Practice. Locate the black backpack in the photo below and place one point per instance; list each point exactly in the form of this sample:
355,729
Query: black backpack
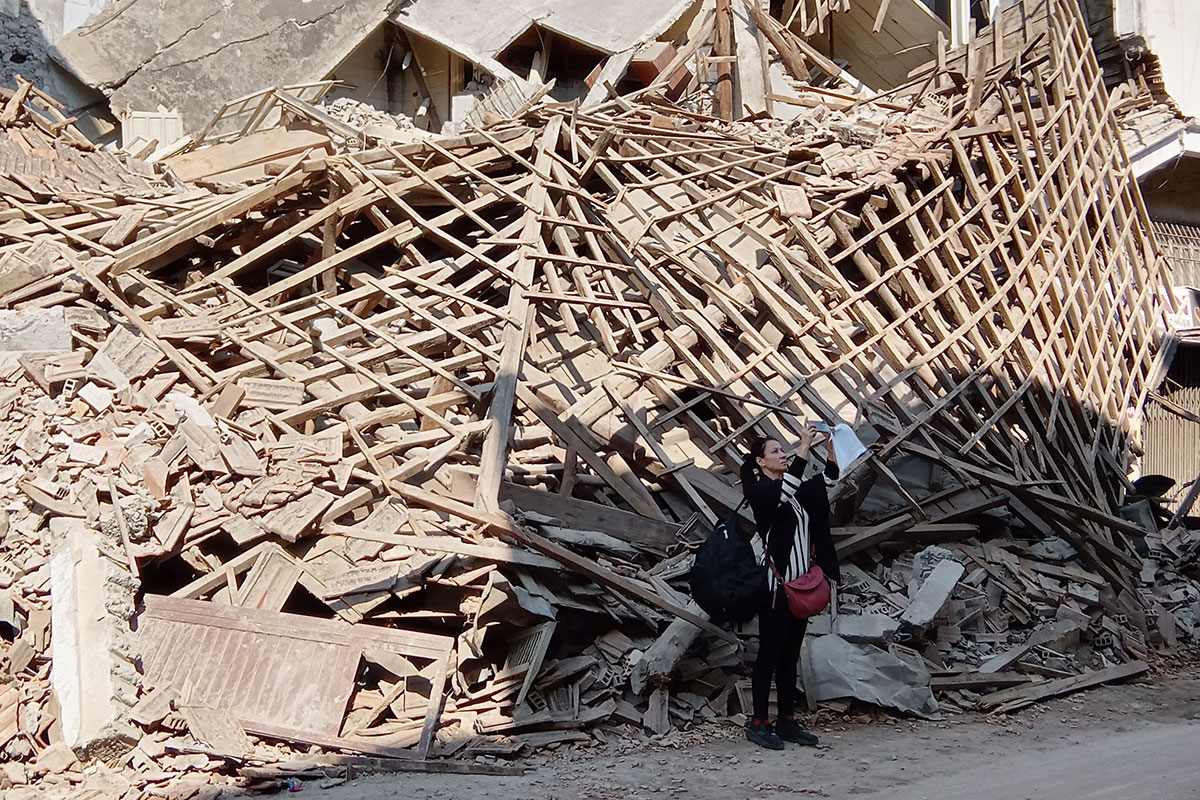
726,579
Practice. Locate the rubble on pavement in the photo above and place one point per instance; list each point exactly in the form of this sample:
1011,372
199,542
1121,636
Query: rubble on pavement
441,421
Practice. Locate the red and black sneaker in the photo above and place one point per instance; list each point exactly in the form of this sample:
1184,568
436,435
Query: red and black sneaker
762,734
790,731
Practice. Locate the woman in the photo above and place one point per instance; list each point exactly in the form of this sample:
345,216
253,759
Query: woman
791,511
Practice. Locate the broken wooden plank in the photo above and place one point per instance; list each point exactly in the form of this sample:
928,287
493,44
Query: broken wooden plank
574,561
584,515
1010,700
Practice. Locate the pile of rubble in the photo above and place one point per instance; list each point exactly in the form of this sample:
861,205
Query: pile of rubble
403,451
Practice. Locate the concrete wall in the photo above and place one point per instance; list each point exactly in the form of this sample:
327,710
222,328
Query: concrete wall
201,55
440,66
372,77
363,73
1171,30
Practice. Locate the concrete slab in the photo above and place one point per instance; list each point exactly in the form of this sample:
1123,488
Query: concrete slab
933,594
455,24
201,55
866,628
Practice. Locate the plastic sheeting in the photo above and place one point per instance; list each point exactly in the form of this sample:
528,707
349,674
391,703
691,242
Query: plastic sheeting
834,668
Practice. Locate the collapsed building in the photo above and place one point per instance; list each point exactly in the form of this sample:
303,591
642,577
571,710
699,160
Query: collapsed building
427,431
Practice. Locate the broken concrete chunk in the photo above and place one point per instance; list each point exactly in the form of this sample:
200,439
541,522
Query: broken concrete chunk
92,671
103,784
820,625
154,706
15,773
56,759
657,718
34,330
1062,634
1053,549
20,655
99,398
924,563
933,594
217,729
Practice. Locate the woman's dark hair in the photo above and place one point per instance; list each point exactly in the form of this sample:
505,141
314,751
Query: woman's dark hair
749,470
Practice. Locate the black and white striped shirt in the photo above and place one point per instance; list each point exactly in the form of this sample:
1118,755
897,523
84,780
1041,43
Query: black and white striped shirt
792,515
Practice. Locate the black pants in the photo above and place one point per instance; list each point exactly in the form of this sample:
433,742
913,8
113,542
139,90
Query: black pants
779,638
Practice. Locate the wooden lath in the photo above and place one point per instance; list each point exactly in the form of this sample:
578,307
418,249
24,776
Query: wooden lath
257,110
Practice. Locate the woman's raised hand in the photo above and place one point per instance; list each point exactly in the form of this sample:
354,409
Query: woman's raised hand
807,435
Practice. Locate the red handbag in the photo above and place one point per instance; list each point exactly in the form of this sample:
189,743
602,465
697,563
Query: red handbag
807,595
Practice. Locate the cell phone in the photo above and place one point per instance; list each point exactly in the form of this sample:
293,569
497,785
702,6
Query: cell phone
819,426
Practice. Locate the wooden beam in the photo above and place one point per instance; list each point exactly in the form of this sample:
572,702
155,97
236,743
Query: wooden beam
501,524
724,50
515,333
584,515
150,253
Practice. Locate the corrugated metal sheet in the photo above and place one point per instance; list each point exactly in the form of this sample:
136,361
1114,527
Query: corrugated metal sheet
279,674
1181,245
1172,443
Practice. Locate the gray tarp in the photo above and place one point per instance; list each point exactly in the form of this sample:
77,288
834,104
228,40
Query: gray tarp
834,668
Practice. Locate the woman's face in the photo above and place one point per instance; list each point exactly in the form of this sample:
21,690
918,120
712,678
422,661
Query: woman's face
773,460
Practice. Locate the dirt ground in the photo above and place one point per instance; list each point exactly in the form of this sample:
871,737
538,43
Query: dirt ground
1138,740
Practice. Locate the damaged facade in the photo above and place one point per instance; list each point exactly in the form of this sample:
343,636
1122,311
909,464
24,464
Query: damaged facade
1145,50
447,416
431,61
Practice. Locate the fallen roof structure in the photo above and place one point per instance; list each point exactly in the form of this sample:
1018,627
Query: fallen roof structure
487,386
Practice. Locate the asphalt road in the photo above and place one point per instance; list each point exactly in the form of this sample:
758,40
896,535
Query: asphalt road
1132,742
1158,763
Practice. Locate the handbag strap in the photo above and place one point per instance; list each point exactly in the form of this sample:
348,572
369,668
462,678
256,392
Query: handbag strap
771,564
767,545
